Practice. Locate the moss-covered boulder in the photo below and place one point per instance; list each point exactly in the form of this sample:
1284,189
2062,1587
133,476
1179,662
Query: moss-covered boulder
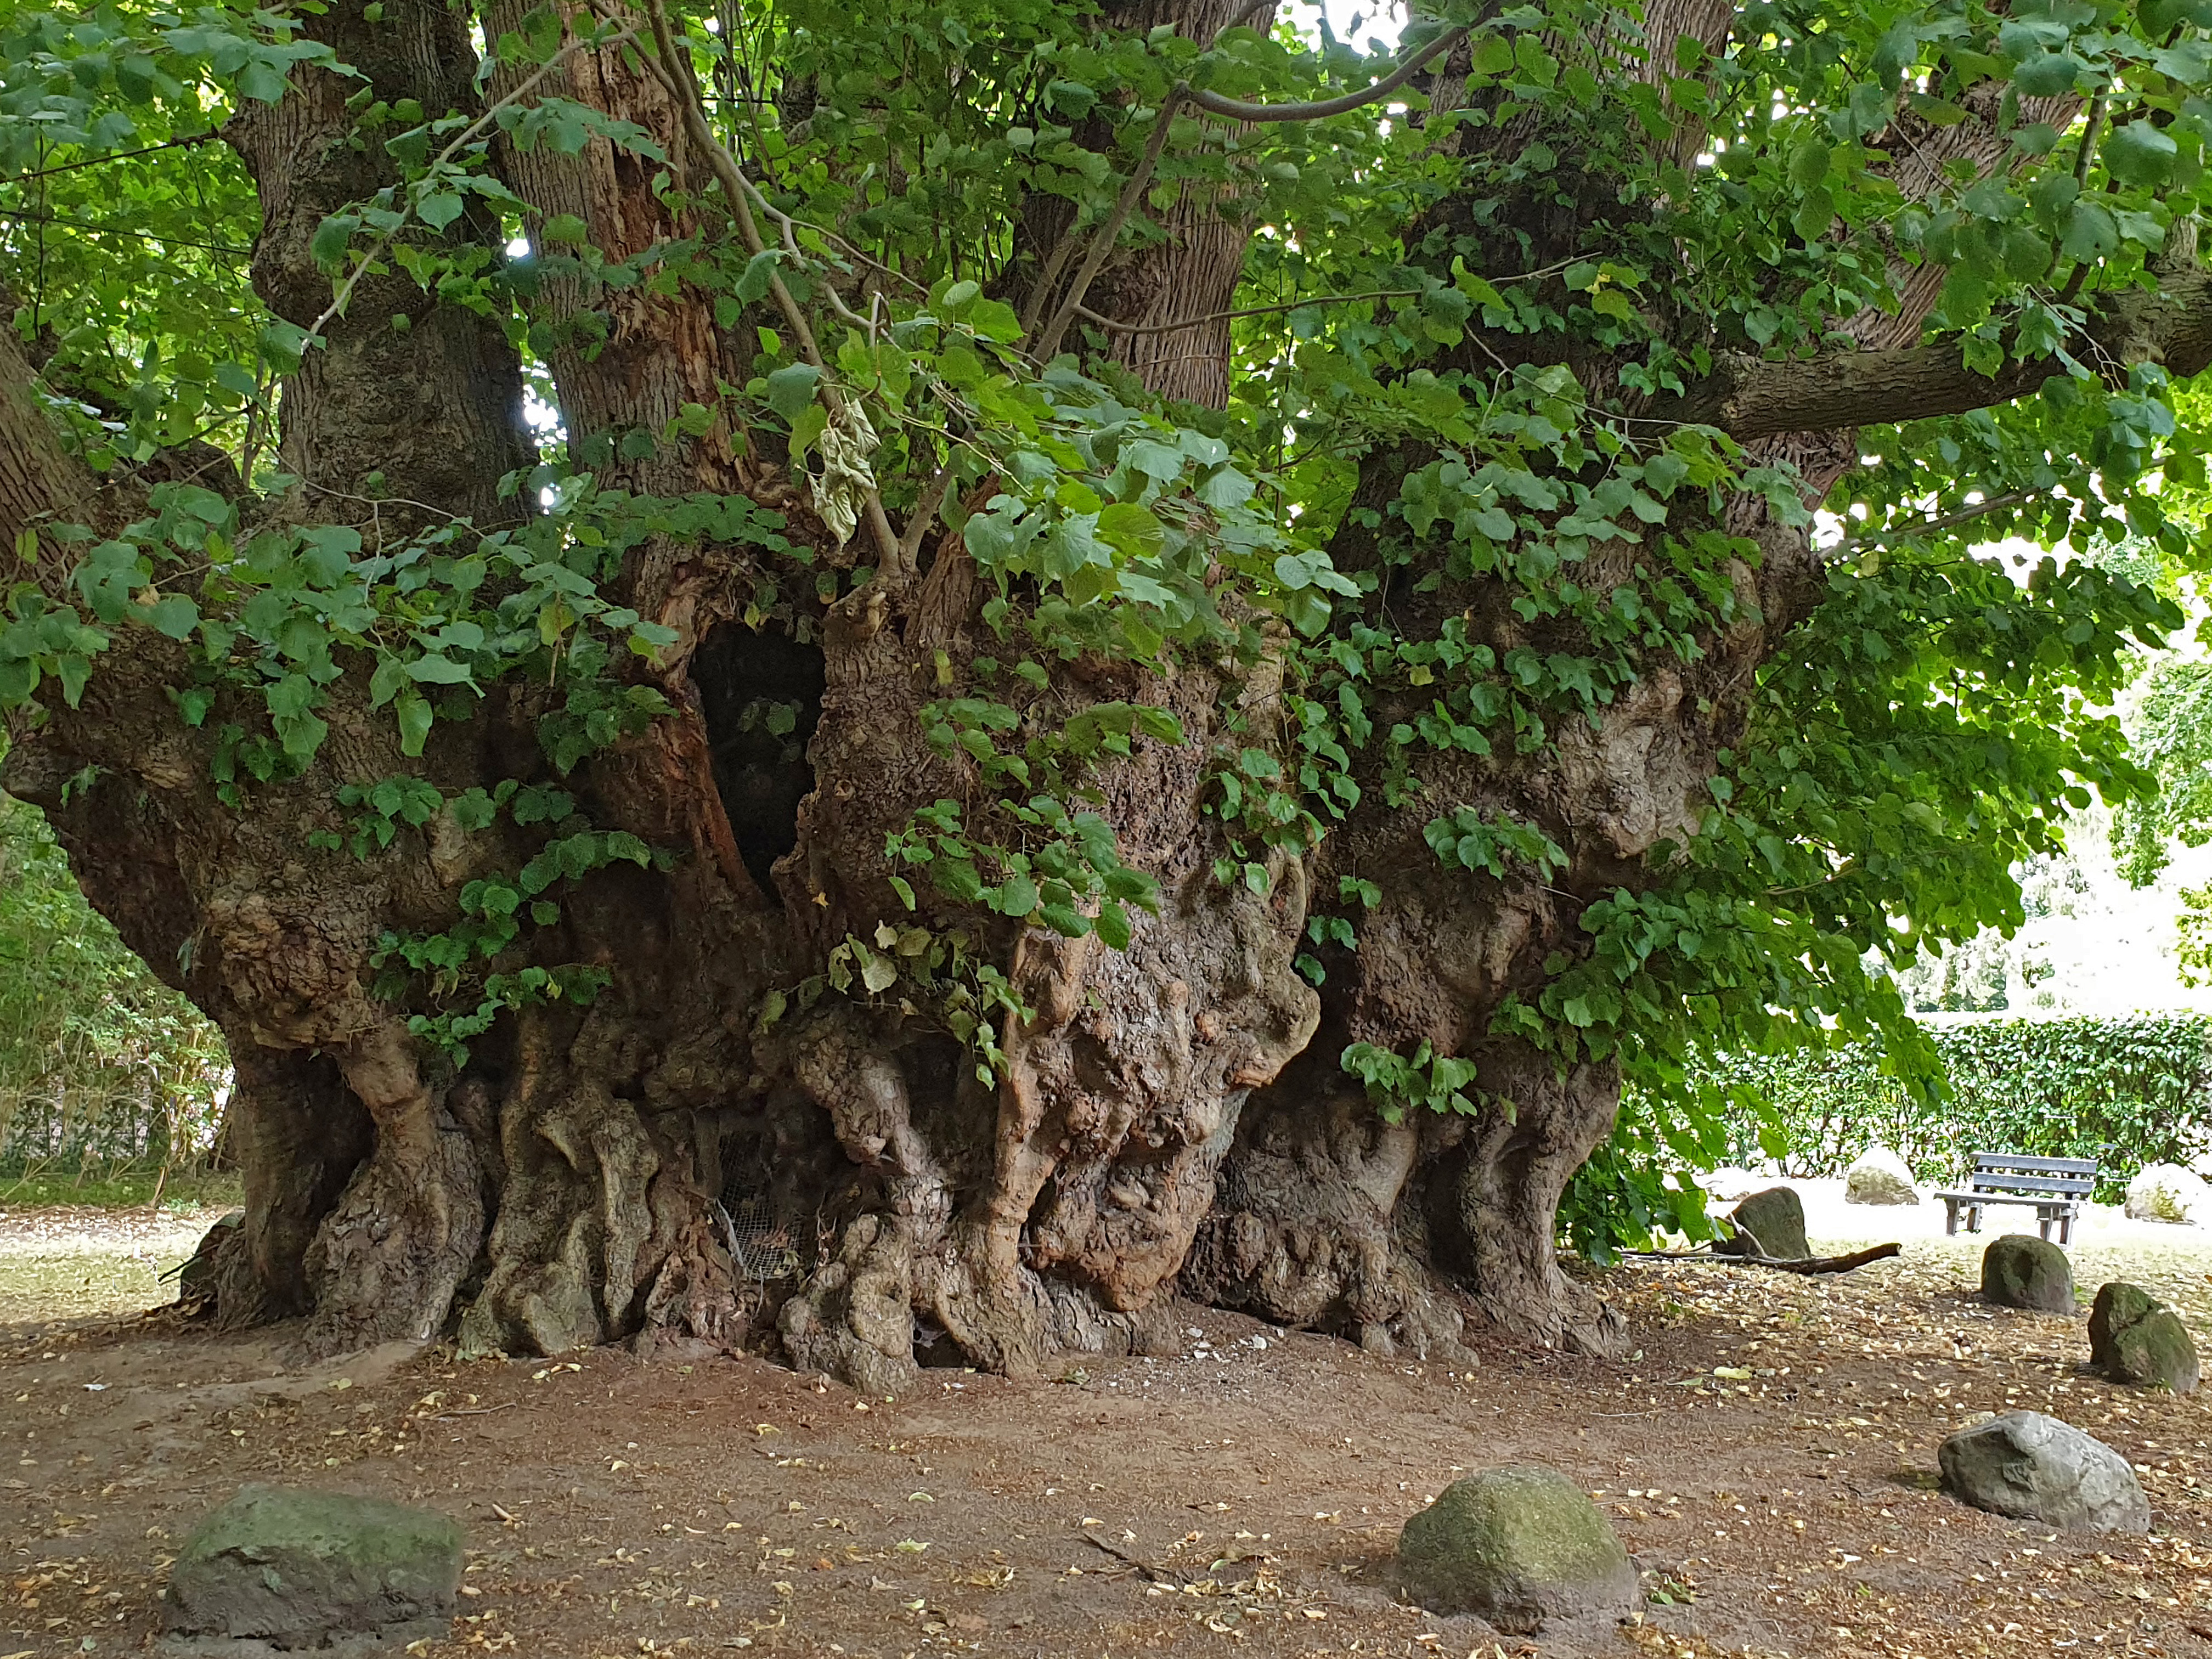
1518,1546
2022,1271
2135,1338
2118,1305
1776,1218
301,1569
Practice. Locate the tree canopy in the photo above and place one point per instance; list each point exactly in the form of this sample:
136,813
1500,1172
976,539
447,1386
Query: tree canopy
1460,575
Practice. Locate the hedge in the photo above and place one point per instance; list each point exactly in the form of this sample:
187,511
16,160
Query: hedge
2126,1091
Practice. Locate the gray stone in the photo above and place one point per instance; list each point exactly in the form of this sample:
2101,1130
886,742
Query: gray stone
299,1569
1880,1177
2022,1271
2038,1468
2135,1338
1517,1546
1776,1218
2167,1192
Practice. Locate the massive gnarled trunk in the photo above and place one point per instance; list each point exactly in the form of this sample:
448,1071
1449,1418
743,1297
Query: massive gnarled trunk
746,1137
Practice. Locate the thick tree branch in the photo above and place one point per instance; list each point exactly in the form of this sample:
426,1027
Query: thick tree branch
1238,109
1751,398
41,483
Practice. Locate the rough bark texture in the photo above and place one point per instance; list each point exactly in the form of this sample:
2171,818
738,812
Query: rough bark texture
837,1184
1173,280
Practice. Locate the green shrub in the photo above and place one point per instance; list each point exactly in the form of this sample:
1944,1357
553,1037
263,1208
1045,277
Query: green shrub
2125,1091
102,1067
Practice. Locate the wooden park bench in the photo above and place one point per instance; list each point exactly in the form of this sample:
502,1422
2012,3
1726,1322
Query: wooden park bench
2056,1187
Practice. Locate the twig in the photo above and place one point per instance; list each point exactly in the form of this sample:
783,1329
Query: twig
119,230
2089,154
1047,345
1942,521
1113,327
115,155
924,515
1157,1574
1054,265
2089,126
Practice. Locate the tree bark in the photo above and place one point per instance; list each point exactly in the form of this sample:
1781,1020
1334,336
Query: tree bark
720,1147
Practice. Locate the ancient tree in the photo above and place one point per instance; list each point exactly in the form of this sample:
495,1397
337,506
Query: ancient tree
890,683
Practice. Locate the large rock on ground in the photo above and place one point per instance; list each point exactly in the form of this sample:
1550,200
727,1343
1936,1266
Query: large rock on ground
1776,1218
2135,1338
2037,1468
1517,1546
300,1569
2167,1192
2022,1271
1880,1177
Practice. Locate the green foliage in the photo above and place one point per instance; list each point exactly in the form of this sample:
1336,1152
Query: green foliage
2174,737
1465,839
100,1063
2126,1092
1640,1186
1399,1082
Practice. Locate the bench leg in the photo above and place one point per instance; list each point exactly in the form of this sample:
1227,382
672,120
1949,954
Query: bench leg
2042,1224
1973,1218
2066,1228
1951,1216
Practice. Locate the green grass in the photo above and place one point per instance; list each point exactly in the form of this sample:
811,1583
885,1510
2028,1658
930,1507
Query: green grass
122,1189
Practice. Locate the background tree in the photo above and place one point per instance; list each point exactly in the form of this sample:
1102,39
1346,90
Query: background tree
1130,656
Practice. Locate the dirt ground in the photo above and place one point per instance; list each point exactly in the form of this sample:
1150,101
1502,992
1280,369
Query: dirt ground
1769,1455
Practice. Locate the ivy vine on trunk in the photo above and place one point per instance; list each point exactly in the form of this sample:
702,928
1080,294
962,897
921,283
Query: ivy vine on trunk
892,685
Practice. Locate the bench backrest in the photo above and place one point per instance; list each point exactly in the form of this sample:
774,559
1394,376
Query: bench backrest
2011,1172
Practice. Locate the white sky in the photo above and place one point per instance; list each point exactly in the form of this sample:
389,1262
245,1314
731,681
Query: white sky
1372,25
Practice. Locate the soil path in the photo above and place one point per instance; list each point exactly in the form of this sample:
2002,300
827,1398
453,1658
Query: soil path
1769,1456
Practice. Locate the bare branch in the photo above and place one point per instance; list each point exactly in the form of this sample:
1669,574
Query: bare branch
121,230
1109,233
114,155
1236,109
1113,327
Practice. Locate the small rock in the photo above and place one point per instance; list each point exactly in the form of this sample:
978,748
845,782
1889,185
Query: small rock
2022,1271
302,1568
2167,1192
1880,1177
2037,1468
1776,1218
1517,1546
2135,1338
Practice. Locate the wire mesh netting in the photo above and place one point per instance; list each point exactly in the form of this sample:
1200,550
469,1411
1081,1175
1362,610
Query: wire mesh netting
760,1243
